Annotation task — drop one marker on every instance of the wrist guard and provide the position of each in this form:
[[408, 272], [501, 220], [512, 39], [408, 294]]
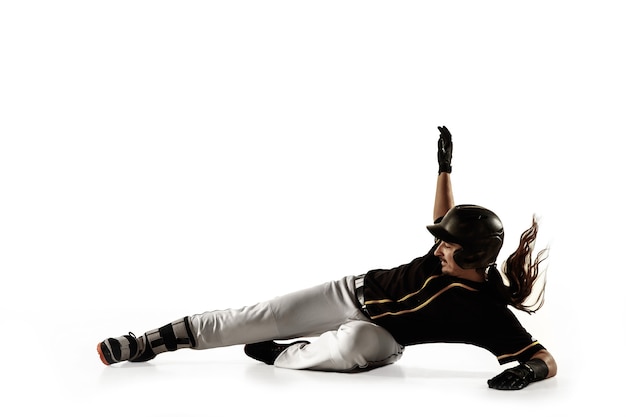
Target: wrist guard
[[538, 368], [520, 376]]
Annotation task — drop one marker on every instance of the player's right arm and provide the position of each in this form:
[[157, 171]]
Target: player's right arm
[[541, 366]]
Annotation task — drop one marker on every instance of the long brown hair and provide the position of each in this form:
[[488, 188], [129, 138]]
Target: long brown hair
[[522, 272]]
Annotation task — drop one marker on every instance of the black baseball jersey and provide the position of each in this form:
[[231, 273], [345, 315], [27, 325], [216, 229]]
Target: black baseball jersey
[[417, 304]]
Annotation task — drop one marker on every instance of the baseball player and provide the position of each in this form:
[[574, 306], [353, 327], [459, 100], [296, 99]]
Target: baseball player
[[454, 294]]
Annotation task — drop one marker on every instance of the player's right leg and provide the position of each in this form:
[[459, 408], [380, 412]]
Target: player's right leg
[[303, 313], [308, 312], [168, 338]]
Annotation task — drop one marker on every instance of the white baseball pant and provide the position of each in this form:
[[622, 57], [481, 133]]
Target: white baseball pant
[[347, 340]]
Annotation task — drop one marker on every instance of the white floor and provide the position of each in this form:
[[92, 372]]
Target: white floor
[[180, 157], [61, 374]]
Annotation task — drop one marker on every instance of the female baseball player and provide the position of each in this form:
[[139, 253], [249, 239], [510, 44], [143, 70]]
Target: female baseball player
[[454, 293]]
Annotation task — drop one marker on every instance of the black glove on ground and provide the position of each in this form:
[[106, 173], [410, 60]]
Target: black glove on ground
[[520, 376], [444, 151]]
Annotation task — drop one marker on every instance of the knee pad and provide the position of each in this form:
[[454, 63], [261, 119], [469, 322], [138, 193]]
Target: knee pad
[[359, 335], [368, 344]]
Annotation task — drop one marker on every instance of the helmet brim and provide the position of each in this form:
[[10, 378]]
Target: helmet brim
[[439, 232]]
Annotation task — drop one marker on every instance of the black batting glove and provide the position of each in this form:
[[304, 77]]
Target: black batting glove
[[444, 150], [520, 376]]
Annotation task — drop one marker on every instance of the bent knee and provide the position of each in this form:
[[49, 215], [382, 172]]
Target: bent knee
[[371, 340]]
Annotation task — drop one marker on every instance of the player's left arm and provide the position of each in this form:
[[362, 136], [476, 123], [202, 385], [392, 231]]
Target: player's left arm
[[444, 197], [540, 366]]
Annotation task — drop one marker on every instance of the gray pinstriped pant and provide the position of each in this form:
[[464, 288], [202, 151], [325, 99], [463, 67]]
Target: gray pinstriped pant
[[347, 340]]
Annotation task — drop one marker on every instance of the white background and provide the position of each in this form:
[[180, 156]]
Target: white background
[[159, 159]]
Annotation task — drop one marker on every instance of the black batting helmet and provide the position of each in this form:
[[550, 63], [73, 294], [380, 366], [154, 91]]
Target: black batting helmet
[[478, 230]]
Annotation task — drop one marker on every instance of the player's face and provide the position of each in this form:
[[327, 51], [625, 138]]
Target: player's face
[[445, 253]]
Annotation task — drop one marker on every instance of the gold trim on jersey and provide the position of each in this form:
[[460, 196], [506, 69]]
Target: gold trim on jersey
[[406, 297], [421, 305], [508, 355]]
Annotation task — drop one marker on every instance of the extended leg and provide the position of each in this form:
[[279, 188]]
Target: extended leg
[[303, 313], [308, 312], [168, 338]]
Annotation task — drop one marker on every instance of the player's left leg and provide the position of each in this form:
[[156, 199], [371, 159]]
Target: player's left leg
[[356, 345]]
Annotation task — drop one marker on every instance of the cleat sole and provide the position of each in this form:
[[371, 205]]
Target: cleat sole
[[102, 356]]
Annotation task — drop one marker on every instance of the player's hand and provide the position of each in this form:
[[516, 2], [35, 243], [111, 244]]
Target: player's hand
[[520, 376], [444, 150], [512, 379]]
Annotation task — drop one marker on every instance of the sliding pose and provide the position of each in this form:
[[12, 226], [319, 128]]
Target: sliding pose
[[454, 293]]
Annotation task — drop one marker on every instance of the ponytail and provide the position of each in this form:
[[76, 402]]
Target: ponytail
[[522, 272]]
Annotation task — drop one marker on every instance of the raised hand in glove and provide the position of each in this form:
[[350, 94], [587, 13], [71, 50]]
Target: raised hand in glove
[[444, 150], [520, 376]]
